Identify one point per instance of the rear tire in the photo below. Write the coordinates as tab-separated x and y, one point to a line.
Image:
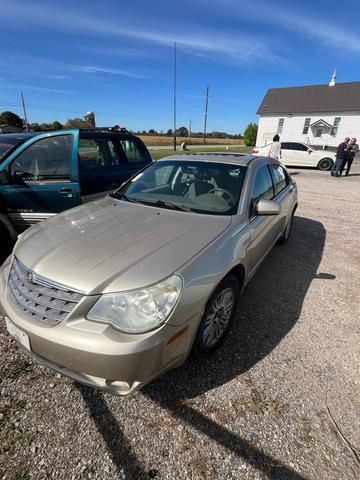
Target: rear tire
325	164
218	317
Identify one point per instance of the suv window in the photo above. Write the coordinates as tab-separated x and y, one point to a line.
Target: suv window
263	188
46	159
97	153
286	146
135	151
281	179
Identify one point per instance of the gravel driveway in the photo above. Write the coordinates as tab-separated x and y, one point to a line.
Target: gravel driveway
260	408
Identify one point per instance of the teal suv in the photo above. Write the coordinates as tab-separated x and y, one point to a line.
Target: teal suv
42	174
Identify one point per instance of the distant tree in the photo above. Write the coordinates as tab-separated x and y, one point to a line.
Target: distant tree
57	125
44	127
152	132
218	135
35	127
250	134
11	119
144	132
76	123
182	132
169	133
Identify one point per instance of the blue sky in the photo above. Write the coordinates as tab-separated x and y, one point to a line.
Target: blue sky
116	58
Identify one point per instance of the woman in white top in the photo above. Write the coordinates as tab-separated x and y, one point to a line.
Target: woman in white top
275	148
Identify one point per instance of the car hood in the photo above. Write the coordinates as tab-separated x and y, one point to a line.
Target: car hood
112	245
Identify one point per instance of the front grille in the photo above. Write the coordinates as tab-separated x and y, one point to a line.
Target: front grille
39	298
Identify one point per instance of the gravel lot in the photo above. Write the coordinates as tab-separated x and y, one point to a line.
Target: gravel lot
258	409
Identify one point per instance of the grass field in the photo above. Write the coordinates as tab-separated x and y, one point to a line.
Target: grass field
156	154
150	140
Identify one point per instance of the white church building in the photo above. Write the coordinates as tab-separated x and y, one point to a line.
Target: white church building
317	115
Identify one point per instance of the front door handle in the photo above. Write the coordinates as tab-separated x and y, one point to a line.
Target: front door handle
66	192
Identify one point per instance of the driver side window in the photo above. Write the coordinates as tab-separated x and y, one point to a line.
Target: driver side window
46	159
262	189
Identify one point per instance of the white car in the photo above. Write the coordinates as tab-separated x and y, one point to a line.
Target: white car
296	154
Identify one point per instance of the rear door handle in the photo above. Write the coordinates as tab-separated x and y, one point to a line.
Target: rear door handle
66	192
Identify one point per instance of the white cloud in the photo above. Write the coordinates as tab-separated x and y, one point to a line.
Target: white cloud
305	22
95	69
193	37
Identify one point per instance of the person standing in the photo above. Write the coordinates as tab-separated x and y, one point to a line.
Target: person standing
275	148
340	157
349	156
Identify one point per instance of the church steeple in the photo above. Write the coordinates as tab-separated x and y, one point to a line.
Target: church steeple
333	79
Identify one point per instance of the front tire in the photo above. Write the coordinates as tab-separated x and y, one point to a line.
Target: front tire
287	232
218	316
325	164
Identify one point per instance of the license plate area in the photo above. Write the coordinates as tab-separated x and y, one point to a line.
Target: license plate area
18	334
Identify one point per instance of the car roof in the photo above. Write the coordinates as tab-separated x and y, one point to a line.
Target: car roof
18	136
230	158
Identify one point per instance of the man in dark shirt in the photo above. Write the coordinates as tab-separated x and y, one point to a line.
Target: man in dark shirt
340	157
350	153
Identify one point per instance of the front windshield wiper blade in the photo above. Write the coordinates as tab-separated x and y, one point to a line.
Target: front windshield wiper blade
174	206
123	196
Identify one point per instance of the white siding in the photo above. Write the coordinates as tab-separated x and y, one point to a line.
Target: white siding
293	128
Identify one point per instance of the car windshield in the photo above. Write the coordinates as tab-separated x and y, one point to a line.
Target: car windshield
202	187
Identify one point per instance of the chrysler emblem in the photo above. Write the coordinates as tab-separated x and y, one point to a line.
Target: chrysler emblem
29	277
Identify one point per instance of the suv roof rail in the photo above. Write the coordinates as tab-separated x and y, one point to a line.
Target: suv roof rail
114	129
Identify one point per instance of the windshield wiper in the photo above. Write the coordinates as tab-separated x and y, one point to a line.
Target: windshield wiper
167	204
123	196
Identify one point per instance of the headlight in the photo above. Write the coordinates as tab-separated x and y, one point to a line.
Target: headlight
138	311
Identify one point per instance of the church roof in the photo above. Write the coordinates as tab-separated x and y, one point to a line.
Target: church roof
342	97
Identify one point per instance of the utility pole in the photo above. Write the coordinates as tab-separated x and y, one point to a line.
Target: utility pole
175	96
189	130
206	111
23	105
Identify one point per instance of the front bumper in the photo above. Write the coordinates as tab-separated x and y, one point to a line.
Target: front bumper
96	354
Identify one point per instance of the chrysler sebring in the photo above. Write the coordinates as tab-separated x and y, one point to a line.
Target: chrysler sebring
116	292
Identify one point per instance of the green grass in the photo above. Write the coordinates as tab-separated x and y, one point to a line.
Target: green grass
156	154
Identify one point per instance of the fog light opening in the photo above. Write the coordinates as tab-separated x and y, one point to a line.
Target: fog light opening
118	386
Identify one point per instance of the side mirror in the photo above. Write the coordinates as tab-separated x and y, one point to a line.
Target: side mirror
4	178
309	150
268	207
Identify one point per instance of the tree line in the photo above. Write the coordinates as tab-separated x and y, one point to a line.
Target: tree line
88	121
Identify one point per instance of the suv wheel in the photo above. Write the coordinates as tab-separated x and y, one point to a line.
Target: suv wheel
325	164
217	317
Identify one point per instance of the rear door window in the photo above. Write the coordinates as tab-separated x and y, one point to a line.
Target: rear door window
135	151
97	154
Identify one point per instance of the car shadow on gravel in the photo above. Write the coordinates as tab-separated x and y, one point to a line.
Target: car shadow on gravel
269	307
119	449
